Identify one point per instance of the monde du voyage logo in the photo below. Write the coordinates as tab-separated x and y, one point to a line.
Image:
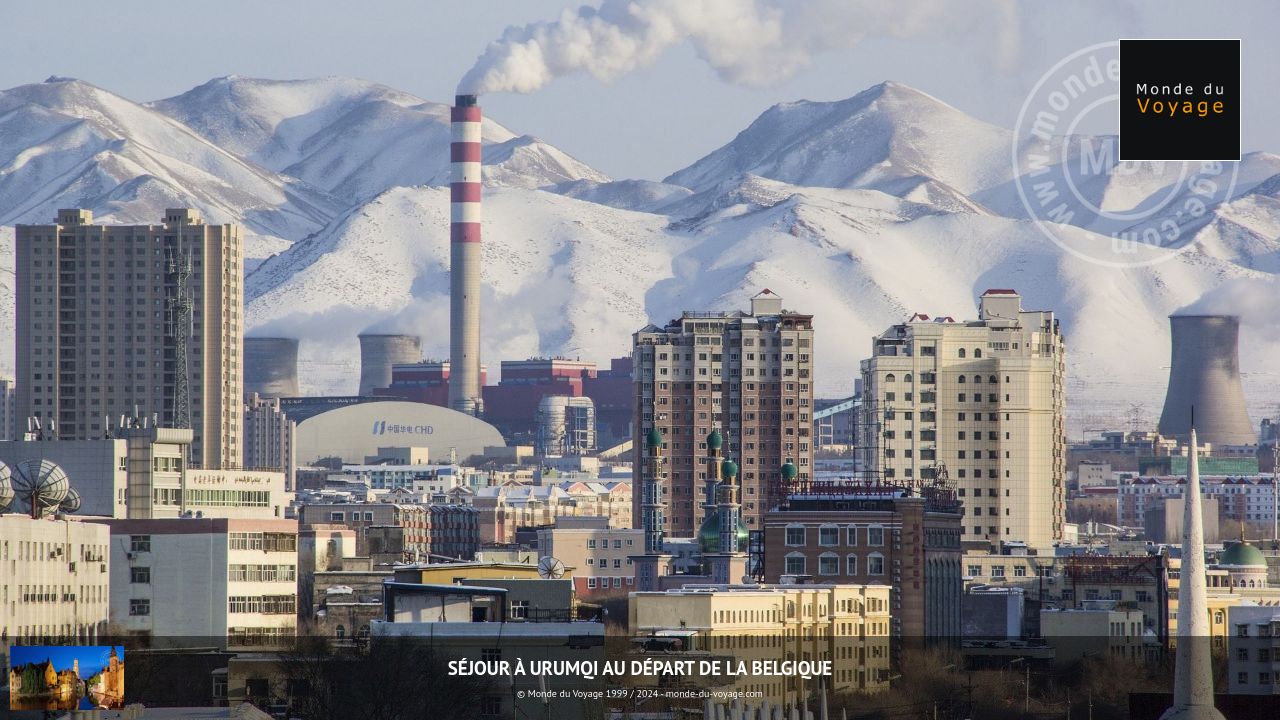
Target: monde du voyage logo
1180	100
382	427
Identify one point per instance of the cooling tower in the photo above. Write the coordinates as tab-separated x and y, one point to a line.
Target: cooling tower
379	352
1205	375
271	366
464	257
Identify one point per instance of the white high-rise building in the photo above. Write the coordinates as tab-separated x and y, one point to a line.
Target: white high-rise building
98	327
55	580
983	400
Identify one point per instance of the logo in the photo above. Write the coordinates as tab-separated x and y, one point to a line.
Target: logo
1082	193
1180	100
382	427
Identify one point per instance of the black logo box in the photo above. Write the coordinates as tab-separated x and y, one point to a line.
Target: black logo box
1180	65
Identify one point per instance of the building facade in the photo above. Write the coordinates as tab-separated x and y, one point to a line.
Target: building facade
1253	660
95	335
268	437
985	400
9	425
747	374
225	580
601	558
911	544
56	580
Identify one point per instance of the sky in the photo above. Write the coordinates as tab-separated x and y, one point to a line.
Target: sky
645	124
92	658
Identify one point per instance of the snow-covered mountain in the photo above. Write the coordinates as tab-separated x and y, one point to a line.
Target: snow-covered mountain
66	143
860	211
356	138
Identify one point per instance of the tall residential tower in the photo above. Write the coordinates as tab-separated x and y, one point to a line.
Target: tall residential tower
748	375
983	399
97	309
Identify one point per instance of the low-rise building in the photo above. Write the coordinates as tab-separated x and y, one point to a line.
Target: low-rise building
402	532
54	581
602	558
847	624
1099	629
1253	659
232	581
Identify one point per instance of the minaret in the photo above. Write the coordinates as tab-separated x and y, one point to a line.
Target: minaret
728	508
653	564
1193	672
715	441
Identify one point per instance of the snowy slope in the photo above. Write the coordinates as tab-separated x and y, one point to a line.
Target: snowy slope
66	143
356	138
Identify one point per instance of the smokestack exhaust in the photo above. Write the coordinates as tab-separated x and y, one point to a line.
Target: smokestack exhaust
1204	382
464	257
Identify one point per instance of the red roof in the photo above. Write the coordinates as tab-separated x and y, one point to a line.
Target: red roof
1000	291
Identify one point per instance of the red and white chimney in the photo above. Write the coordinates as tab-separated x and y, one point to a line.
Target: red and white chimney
464	258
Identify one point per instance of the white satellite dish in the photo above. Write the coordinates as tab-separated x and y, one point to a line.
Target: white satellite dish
550	568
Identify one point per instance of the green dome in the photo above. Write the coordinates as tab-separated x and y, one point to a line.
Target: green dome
715	440
655	438
789	470
1242	554
728	469
709	535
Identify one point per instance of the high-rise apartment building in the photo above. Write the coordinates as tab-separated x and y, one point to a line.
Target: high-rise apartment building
747	374
268	437
8	409
983	400
98	330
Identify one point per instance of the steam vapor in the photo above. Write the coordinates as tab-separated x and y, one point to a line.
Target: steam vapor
748	42
1253	299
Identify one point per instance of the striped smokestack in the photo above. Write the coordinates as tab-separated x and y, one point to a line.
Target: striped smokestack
464	258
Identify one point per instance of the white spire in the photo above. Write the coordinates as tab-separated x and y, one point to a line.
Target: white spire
1193	672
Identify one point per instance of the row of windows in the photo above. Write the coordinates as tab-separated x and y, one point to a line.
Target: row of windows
265	604
261	573
829	536
829	564
604	582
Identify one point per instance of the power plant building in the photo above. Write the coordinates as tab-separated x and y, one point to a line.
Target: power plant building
98	317
379	353
747	374
271	366
1204	381
984	400
354	432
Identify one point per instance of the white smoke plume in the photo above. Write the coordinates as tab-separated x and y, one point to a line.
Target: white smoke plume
1255	300
749	42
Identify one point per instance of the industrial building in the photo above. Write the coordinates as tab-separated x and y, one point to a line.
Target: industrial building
465	190
983	400
121	319
381	352
1204	382
353	432
271	367
747	374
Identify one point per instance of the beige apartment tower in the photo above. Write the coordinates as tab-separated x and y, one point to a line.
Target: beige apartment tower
982	400
748	375
100	321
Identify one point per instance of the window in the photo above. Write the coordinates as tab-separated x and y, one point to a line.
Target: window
794	564
140	606
139	543
1242	631
828	535
853	536
795	536
1019	571
829	564
491	706
975	571
875	564
875	536
851	564
519	610
591	583
140	575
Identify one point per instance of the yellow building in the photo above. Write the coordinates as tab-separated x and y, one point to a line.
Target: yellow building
848	625
454	573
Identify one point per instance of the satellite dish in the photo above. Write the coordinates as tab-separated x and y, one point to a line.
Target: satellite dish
40	486
70	503
550	568
6	488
